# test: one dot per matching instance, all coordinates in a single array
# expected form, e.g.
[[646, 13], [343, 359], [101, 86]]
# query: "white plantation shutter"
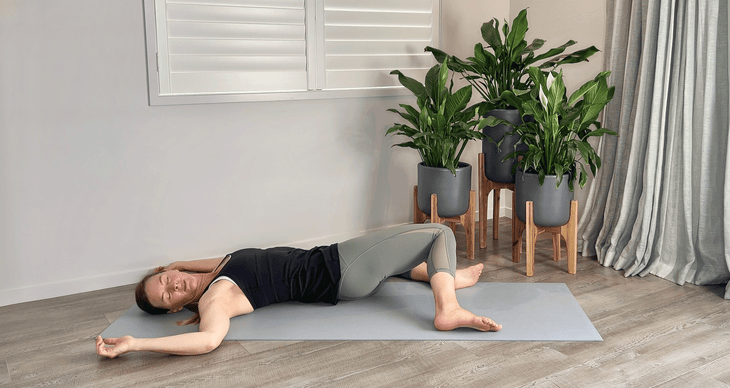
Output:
[[263, 50], [231, 46], [365, 40]]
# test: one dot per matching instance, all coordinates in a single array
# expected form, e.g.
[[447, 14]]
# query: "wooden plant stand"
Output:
[[569, 232], [467, 219], [485, 187]]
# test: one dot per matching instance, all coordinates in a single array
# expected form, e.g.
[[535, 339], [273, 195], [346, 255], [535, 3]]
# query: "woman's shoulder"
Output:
[[225, 294]]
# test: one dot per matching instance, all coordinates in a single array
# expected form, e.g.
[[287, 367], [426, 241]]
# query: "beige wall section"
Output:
[[463, 19], [558, 21]]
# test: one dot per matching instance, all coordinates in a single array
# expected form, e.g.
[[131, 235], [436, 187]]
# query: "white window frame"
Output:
[[315, 51]]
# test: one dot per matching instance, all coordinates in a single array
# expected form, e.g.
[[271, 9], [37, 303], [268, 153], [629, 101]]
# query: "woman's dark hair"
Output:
[[143, 301]]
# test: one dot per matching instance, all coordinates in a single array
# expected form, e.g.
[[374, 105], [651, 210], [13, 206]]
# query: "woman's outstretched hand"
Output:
[[119, 346]]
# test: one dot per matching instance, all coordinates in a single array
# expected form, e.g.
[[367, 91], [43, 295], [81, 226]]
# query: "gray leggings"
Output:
[[366, 261]]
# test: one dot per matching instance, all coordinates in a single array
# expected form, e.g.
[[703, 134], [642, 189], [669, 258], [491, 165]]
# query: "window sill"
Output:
[[183, 99]]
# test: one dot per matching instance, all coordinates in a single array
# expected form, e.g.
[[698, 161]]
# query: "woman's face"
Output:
[[171, 290]]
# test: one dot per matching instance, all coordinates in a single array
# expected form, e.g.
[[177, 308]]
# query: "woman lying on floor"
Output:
[[220, 289]]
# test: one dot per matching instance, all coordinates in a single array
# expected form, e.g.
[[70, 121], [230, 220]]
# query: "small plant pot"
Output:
[[551, 204], [452, 191], [494, 168]]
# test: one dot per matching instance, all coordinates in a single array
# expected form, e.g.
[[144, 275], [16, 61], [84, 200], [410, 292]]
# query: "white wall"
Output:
[[96, 186]]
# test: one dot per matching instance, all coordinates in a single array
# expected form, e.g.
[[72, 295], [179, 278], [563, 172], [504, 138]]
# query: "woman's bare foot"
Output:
[[458, 317], [463, 278], [468, 277]]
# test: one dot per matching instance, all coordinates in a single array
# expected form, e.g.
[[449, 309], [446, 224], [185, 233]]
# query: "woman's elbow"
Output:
[[210, 345]]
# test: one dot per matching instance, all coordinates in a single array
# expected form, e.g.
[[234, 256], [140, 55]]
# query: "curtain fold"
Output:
[[661, 202]]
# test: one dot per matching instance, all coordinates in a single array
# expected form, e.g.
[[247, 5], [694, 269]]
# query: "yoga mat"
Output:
[[400, 310]]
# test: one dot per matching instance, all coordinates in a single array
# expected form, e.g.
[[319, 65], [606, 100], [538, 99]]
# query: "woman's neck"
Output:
[[204, 280]]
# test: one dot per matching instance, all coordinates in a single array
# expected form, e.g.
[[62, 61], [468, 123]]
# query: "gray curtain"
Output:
[[660, 204]]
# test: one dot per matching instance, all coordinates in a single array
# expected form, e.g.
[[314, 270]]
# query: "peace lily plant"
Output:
[[503, 64], [441, 125], [499, 65], [557, 139]]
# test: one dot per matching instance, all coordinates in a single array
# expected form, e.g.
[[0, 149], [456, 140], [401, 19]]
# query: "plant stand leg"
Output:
[[569, 232], [495, 214], [419, 217], [531, 237], [468, 219], [556, 247], [485, 187], [517, 228], [483, 208]]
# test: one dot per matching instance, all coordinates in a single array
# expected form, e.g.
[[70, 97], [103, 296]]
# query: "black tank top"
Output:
[[276, 275]]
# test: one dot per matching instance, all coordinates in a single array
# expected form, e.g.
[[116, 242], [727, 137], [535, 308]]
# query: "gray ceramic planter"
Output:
[[551, 205], [452, 191], [494, 168]]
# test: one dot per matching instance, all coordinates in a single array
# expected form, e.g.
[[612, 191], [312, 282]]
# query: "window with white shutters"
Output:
[[366, 40], [252, 50]]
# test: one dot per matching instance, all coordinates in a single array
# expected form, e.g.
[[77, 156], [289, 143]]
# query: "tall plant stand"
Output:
[[569, 232], [467, 219], [485, 187]]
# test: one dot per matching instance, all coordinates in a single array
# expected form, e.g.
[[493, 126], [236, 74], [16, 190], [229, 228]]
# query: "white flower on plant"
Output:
[[543, 97]]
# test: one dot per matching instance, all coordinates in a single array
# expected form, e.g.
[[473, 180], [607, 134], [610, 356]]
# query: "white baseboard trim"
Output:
[[99, 282], [69, 287]]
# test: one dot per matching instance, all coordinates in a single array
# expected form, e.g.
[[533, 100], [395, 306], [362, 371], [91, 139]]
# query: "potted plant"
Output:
[[556, 142], [501, 68], [439, 129]]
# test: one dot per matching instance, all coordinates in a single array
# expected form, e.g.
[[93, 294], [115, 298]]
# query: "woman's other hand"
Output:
[[176, 265], [118, 346]]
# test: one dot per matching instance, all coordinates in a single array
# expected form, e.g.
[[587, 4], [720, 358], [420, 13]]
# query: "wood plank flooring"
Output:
[[656, 334]]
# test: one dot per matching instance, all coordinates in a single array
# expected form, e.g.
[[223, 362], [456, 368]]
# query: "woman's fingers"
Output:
[[101, 348]]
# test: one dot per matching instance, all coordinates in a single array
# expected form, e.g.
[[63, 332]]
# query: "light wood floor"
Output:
[[655, 334]]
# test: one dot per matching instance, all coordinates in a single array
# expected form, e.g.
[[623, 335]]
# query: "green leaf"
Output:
[[491, 121], [553, 52], [438, 54], [579, 56], [519, 29], [410, 109], [432, 82], [512, 100], [490, 34], [559, 172], [457, 102], [586, 88], [408, 144], [601, 132], [443, 76], [411, 84], [392, 129], [517, 51], [535, 45], [583, 176]]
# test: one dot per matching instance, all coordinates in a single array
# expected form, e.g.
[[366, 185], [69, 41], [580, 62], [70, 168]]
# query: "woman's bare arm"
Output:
[[202, 265], [214, 325]]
